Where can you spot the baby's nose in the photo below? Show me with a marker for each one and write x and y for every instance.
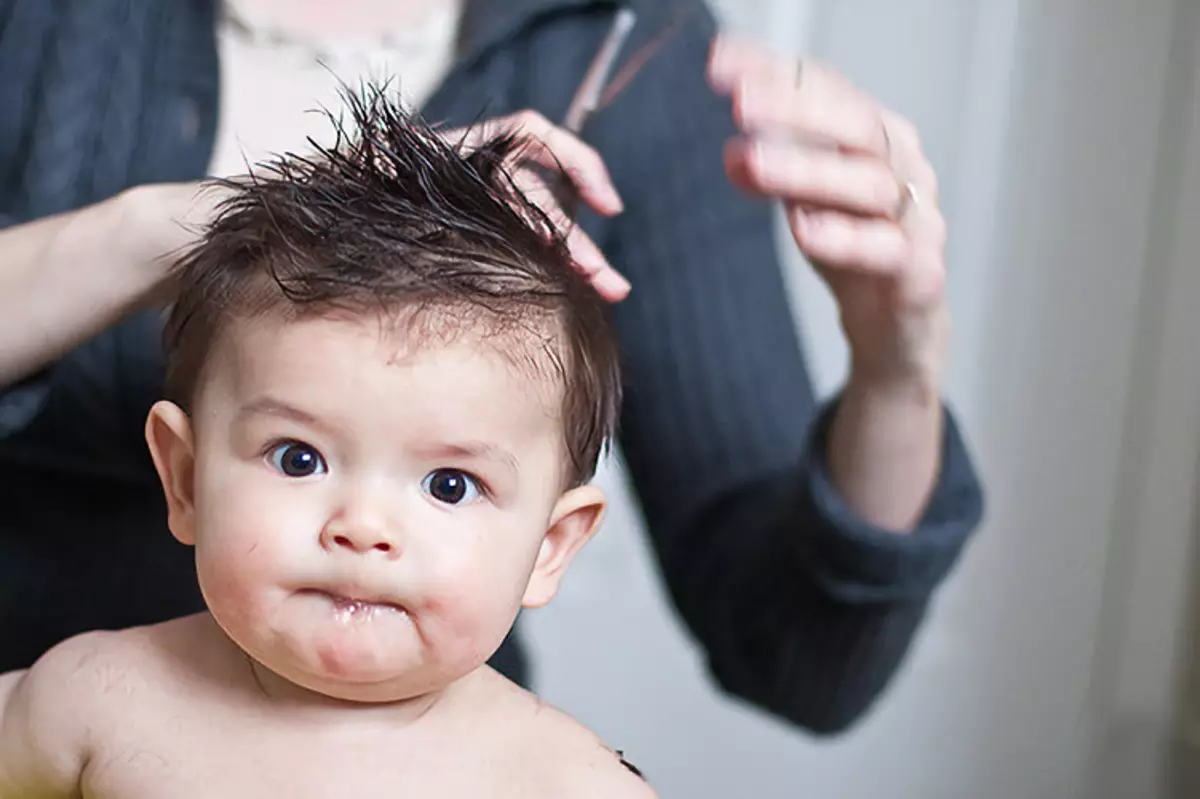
(360, 536)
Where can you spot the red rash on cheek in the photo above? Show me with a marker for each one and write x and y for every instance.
(464, 618)
(231, 582)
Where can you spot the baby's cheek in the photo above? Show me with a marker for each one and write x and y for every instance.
(238, 567)
(229, 584)
(466, 616)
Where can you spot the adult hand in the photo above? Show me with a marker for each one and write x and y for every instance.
(553, 148)
(160, 221)
(861, 201)
(175, 213)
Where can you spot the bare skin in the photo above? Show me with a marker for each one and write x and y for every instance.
(124, 715)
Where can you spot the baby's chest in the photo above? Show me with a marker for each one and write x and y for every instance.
(203, 762)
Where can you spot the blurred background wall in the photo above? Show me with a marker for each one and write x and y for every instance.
(1057, 659)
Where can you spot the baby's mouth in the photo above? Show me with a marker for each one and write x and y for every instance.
(351, 607)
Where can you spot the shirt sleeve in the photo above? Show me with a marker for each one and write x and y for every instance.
(84, 414)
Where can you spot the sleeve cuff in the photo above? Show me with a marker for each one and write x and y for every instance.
(855, 561)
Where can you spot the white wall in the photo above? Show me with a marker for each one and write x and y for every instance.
(1148, 673)
(1048, 123)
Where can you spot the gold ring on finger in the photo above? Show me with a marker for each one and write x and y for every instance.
(908, 199)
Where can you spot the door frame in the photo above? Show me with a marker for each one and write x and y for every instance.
(1146, 658)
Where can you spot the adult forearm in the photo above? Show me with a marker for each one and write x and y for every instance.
(67, 277)
(885, 449)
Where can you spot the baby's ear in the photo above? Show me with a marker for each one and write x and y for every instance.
(169, 434)
(576, 517)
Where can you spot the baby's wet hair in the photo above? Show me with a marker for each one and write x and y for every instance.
(395, 220)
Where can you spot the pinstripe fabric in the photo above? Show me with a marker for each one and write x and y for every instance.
(801, 607)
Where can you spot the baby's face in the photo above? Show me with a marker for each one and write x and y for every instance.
(369, 517)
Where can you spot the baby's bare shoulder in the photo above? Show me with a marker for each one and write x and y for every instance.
(81, 664)
(52, 715)
(562, 758)
(87, 669)
(97, 669)
(78, 702)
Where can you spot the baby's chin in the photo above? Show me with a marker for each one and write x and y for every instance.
(353, 666)
(351, 676)
(353, 651)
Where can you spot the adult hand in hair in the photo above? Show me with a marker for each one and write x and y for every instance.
(554, 149)
(49, 306)
(862, 203)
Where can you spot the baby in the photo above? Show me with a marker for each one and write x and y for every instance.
(389, 391)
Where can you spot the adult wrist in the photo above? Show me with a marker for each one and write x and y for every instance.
(149, 227)
(908, 359)
(912, 387)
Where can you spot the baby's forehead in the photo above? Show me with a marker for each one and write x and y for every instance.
(475, 354)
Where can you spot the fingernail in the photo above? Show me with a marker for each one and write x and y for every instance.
(600, 194)
(749, 112)
(719, 65)
(757, 154)
(801, 223)
(588, 256)
(612, 284)
(606, 195)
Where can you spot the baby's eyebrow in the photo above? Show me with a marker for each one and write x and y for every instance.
(270, 406)
(481, 450)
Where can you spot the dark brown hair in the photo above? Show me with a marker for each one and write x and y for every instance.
(393, 218)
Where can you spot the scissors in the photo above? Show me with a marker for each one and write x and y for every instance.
(596, 91)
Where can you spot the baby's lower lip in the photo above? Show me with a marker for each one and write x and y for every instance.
(352, 607)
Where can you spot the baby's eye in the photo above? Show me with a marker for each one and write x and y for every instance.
(296, 459)
(451, 486)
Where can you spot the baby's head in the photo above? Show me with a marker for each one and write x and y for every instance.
(389, 388)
